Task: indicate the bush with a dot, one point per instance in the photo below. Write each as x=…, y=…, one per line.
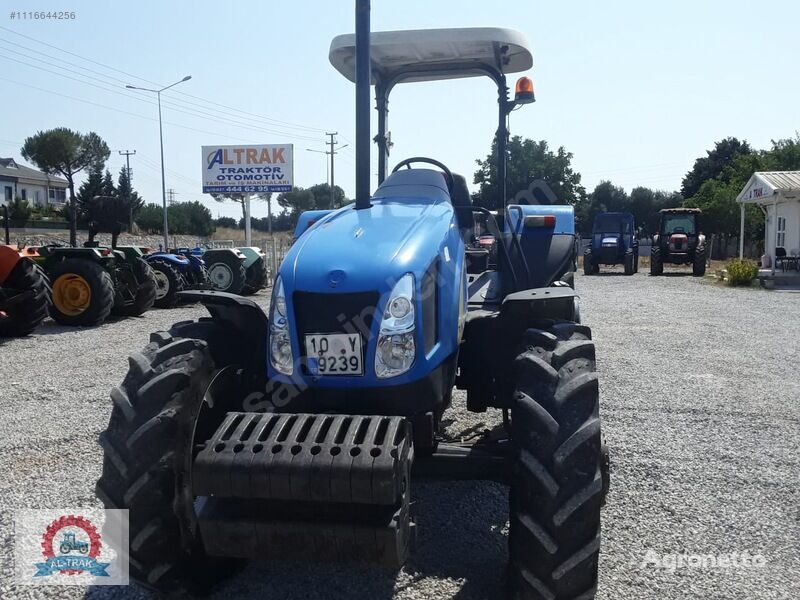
x=741, y=272
x=19, y=209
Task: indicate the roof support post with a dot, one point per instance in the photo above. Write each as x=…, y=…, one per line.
x=382, y=105
x=504, y=107
x=741, y=233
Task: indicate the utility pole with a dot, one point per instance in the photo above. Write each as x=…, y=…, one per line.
x=127, y=156
x=333, y=152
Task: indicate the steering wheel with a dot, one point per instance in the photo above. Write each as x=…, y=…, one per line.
x=448, y=175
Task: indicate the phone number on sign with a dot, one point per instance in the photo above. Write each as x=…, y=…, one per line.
x=61, y=15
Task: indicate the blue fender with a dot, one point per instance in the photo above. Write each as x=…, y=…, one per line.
x=175, y=259
x=541, y=237
x=307, y=219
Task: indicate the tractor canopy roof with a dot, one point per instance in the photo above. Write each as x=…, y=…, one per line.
x=680, y=210
x=433, y=54
x=613, y=222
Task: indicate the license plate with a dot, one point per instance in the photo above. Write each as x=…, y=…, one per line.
x=334, y=354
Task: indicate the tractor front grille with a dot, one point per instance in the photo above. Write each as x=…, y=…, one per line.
x=334, y=313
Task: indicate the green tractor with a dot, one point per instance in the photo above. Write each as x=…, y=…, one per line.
x=90, y=283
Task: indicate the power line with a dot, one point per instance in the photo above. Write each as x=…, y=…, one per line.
x=105, y=66
x=191, y=112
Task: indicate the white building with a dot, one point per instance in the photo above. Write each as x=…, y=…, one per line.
x=778, y=195
x=19, y=181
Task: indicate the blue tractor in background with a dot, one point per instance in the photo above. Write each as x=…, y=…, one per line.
x=176, y=272
x=296, y=435
x=613, y=243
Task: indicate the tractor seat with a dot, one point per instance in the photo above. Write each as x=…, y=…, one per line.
x=459, y=196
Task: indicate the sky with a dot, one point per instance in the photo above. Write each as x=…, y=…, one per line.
x=635, y=90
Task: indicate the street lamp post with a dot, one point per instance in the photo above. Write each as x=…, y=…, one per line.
x=161, y=142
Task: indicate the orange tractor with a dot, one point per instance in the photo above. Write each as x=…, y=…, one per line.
x=24, y=293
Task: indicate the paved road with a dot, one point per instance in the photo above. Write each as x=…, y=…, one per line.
x=701, y=401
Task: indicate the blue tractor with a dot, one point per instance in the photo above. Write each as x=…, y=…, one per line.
x=613, y=243
x=176, y=272
x=296, y=435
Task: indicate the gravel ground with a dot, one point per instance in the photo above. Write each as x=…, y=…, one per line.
x=701, y=413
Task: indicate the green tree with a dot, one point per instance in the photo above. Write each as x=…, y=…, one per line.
x=528, y=160
x=711, y=166
x=150, y=218
x=229, y=222
x=130, y=200
x=64, y=152
x=240, y=198
x=296, y=201
x=323, y=199
x=91, y=187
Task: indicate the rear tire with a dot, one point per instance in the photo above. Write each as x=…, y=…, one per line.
x=148, y=451
x=255, y=277
x=100, y=285
x=557, y=486
x=588, y=267
x=145, y=292
x=21, y=319
x=630, y=258
x=227, y=273
x=699, y=264
x=168, y=283
x=656, y=264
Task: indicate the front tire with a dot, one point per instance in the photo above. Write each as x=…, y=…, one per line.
x=148, y=451
x=699, y=264
x=588, y=267
x=145, y=291
x=21, y=319
x=630, y=259
x=557, y=486
x=255, y=277
x=83, y=292
x=656, y=263
x=168, y=283
x=227, y=273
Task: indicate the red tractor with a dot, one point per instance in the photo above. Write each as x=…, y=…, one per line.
x=24, y=293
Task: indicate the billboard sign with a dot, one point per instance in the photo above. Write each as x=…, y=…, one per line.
x=247, y=169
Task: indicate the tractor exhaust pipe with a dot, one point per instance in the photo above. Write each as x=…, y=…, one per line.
x=363, y=81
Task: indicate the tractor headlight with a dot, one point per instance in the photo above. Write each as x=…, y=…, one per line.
x=396, y=348
x=280, y=343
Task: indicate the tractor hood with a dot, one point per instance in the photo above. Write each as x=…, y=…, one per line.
x=353, y=250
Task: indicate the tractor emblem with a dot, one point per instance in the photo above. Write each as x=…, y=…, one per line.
x=78, y=543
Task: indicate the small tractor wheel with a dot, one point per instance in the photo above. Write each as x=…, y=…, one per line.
x=656, y=264
x=145, y=292
x=636, y=262
x=227, y=273
x=255, y=277
x=588, y=266
x=148, y=451
x=83, y=292
x=21, y=319
x=699, y=264
x=168, y=283
x=630, y=267
x=557, y=485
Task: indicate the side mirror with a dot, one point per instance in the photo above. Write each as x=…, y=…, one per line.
x=523, y=93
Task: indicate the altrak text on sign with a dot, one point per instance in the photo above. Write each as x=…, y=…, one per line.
x=247, y=169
